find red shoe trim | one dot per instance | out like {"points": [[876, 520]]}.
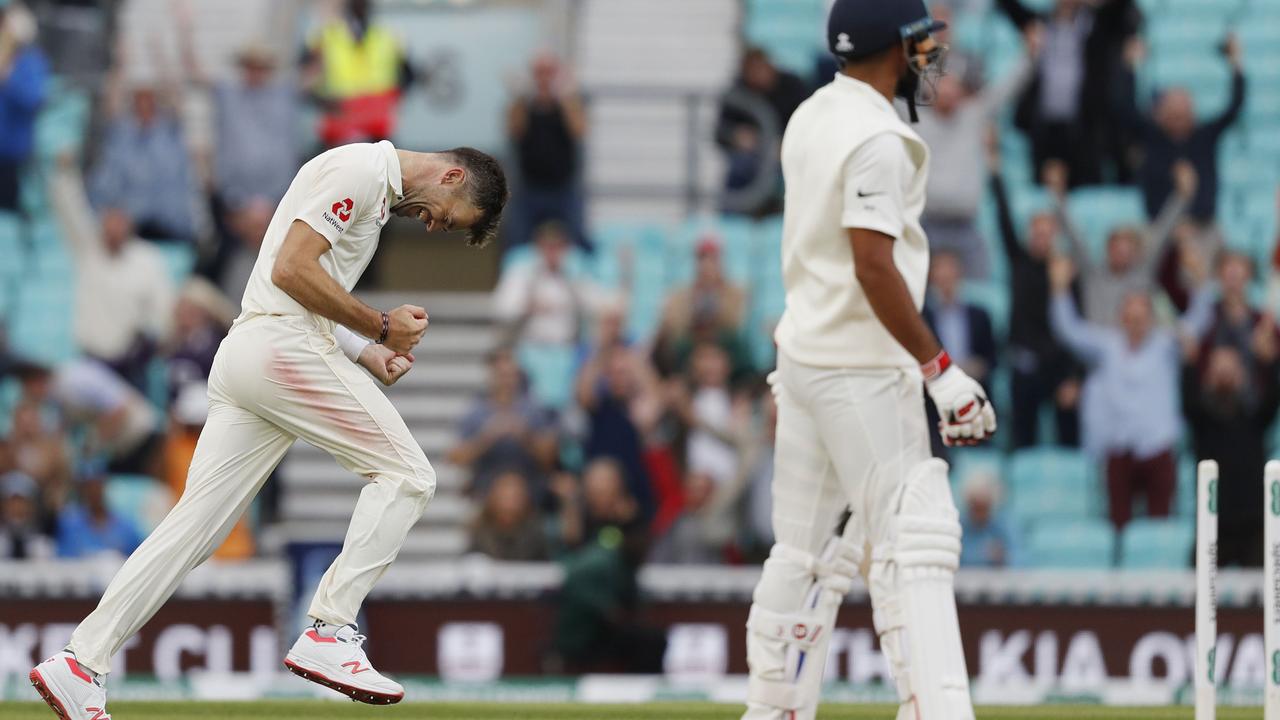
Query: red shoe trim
{"points": [[352, 692], [320, 638], [45, 694], [75, 670]]}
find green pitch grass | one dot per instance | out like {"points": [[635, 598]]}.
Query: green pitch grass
{"points": [[651, 711]]}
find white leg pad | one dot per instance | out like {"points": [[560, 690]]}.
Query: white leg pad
{"points": [[913, 599], [787, 647]]}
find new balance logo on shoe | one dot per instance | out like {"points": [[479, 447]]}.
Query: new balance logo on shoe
{"points": [[98, 713], [355, 667]]}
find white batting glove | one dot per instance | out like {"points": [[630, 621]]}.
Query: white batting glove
{"points": [[967, 417]]}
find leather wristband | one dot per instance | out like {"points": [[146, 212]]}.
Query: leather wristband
{"points": [[386, 328], [933, 369]]}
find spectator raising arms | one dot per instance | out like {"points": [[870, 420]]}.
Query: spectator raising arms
{"points": [[124, 298], [1041, 369], [955, 128], [1171, 134], [710, 309], [1129, 407], [24, 79], [1133, 254], [505, 431], [546, 126]]}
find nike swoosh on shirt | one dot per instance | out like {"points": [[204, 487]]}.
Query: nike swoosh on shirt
{"points": [[862, 194]]}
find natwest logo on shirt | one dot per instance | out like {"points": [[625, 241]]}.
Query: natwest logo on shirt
{"points": [[342, 209]]}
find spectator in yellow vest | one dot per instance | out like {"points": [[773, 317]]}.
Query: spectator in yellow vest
{"points": [[356, 70]]}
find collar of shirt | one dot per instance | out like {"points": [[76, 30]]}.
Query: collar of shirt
{"points": [[856, 85], [394, 179]]}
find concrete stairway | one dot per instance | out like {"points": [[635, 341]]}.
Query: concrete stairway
{"points": [[318, 495]]}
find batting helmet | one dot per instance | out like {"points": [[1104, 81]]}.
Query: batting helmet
{"points": [[861, 28]]}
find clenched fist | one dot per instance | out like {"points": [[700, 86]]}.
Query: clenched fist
{"points": [[405, 327]]}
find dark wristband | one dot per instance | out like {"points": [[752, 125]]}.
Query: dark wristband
{"points": [[386, 327]]}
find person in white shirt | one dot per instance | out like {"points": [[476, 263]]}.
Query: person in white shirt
{"points": [[852, 353], [288, 370], [124, 294]]}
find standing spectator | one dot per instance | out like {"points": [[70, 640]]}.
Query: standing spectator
{"points": [[988, 542], [1041, 369], [505, 431], [1066, 111], [357, 70], [201, 319], [546, 127], [955, 128], [144, 167], [1130, 400], [541, 302], [700, 535], [115, 419], [1230, 401], [620, 395], [20, 535], [508, 526], [124, 298], [1170, 134], [255, 125], [1133, 253], [89, 527], [752, 117], [964, 329], [710, 309], [24, 80], [1232, 321]]}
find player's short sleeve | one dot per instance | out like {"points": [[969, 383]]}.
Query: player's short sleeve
{"points": [[341, 183], [875, 181]]}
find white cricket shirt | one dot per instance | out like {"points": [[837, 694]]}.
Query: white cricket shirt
{"points": [[344, 194], [849, 161]]}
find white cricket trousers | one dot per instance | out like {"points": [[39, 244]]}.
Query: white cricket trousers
{"points": [[275, 379], [845, 439]]}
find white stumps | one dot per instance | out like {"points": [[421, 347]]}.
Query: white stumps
{"points": [[1271, 587], [1206, 595]]}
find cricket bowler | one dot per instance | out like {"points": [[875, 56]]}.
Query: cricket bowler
{"points": [[852, 354], [289, 369]]}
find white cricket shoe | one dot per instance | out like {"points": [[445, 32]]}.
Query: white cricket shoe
{"points": [[339, 663], [71, 691]]}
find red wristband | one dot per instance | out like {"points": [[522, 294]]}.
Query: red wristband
{"points": [[933, 369]]}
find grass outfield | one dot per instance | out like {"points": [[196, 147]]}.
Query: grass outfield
{"points": [[319, 710]]}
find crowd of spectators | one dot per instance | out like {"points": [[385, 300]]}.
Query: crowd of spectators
{"points": [[655, 444]]}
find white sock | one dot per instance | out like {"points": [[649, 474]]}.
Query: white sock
{"points": [[324, 629]]}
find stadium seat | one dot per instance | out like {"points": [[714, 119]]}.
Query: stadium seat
{"points": [[1082, 543], [1157, 543], [550, 369], [1049, 483], [992, 296], [1098, 211], [141, 499], [966, 462]]}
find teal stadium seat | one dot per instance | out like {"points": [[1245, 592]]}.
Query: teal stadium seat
{"points": [[1082, 543], [1098, 211], [551, 371], [1157, 543], [1050, 483], [967, 462], [992, 296], [139, 498], [643, 244]]}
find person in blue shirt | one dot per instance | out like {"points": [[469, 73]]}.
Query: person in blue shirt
{"points": [[988, 542], [89, 527], [24, 80]]}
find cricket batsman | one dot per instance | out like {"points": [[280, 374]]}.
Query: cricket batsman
{"points": [[288, 370], [852, 352]]}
